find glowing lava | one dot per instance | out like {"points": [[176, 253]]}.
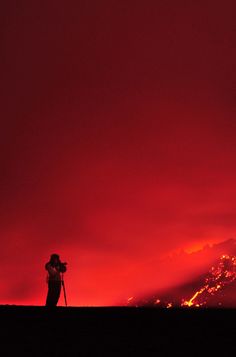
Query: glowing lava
{"points": [[223, 274], [219, 276]]}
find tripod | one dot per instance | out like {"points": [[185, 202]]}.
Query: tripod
{"points": [[64, 289]]}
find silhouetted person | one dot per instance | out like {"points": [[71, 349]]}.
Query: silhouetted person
{"points": [[55, 269]]}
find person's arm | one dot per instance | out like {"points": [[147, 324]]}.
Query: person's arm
{"points": [[51, 270]]}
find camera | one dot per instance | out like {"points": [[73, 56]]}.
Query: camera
{"points": [[62, 267]]}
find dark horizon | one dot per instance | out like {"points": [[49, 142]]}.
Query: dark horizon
{"points": [[116, 331]]}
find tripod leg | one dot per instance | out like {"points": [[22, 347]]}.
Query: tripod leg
{"points": [[64, 290]]}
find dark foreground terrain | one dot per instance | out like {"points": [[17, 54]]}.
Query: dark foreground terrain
{"points": [[116, 331]]}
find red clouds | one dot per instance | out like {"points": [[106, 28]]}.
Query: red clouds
{"points": [[118, 144]]}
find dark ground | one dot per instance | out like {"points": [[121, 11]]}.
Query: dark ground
{"points": [[116, 331]]}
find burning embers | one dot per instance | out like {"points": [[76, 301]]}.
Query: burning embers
{"points": [[218, 277], [209, 294]]}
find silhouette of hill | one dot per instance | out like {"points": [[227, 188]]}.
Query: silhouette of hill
{"points": [[115, 331]]}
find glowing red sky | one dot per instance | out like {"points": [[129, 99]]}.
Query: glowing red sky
{"points": [[117, 141]]}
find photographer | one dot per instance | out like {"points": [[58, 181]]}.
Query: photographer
{"points": [[55, 269]]}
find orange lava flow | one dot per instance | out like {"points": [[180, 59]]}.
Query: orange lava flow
{"points": [[219, 276]]}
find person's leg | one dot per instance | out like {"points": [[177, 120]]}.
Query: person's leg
{"points": [[57, 291], [49, 301], [54, 290]]}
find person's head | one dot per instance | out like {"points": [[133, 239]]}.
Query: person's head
{"points": [[54, 259]]}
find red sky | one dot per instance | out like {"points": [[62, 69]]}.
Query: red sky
{"points": [[117, 142]]}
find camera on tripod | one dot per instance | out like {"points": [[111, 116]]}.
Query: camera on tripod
{"points": [[62, 267]]}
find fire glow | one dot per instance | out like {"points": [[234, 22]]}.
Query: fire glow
{"points": [[223, 274], [218, 277]]}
